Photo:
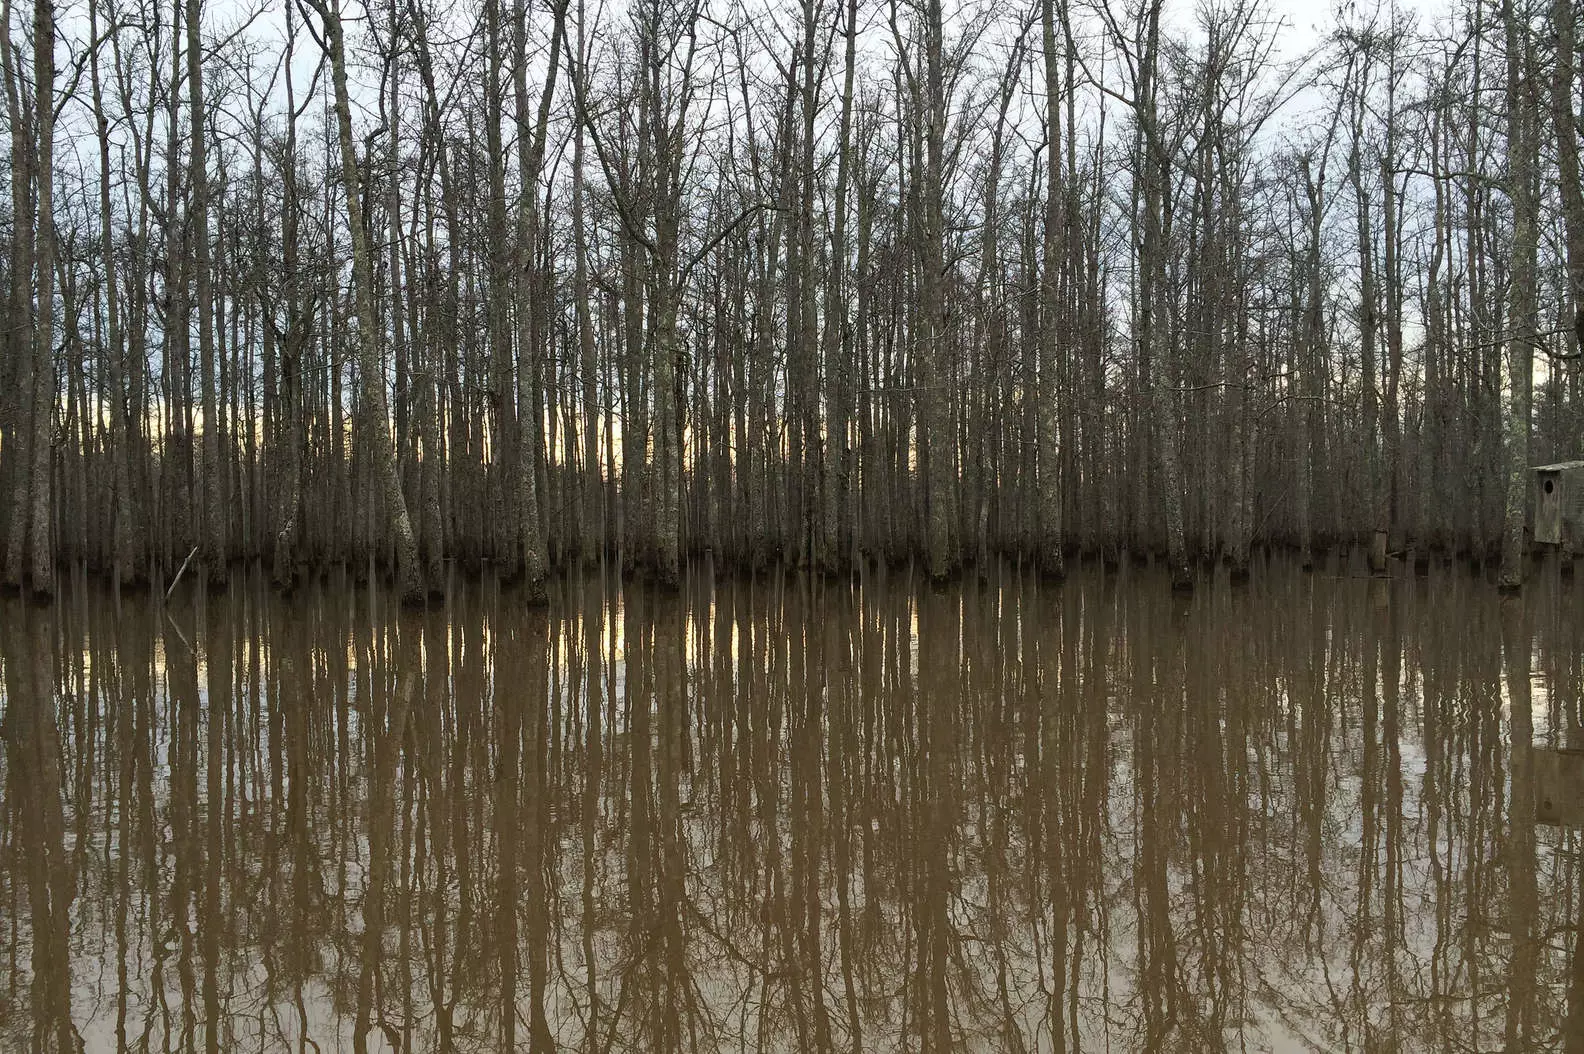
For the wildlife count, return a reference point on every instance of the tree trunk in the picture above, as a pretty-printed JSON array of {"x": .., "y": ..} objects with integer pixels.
[
  {"x": 41, "y": 552},
  {"x": 198, "y": 230},
  {"x": 938, "y": 437},
  {"x": 1050, "y": 539},
  {"x": 530, "y": 155},
  {"x": 370, "y": 368},
  {"x": 1521, "y": 166}
]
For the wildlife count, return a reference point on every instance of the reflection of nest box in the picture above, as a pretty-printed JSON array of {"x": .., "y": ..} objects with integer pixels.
[
  {"x": 1559, "y": 786},
  {"x": 1559, "y": 504}
]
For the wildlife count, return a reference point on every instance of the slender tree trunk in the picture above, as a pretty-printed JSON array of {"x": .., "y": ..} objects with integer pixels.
[
  {"x": 1564, "y": 126},
  {"x": 213, "y": 528},
  {"x": 838, "y": 336},
  {"x": 380, "y": 452},
  {"x": 530, "y": 155},
  {"x": 938, "y": 437},
  {"x": 126, "y": 544},
  {"x": 1521, "y": 166},
  {"x": 594, "y": 538},
  {"x": 41, "y": 552},
  {"x": 1051, "y": 540},
  {"x": 17, "y": 394},
  {"x": 1153, "y": 310},
  {"x": 288, "y": 533}
]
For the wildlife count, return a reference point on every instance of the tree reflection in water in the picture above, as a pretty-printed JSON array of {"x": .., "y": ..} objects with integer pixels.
[{"x": 790, "y": 815}]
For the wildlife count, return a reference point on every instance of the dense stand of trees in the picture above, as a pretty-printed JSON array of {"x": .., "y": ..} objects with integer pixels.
[{"x": 394, "y": 283}]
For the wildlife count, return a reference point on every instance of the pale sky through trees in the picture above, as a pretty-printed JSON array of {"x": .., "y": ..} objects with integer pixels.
[{"x": 1181, "y": 278}]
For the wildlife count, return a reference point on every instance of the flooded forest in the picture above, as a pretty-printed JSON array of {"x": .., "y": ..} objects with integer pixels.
[{"x": 790, "y": 525}]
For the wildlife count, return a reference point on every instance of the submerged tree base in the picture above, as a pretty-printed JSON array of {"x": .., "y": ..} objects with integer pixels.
[
  {"x": 27, "y": 593},
  {"x": 1344, "y": 557}
]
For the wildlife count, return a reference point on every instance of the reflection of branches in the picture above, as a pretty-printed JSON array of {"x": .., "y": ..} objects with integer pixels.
[
  {"x": 732, "y": 949},
  {"x": 1248, "y": 730}
]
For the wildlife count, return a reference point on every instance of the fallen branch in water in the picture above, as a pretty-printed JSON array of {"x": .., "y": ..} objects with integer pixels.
[{"x": 180, "y": 571}]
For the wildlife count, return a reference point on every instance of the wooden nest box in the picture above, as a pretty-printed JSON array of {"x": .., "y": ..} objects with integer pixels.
[{"x": 1559, "y": 504}]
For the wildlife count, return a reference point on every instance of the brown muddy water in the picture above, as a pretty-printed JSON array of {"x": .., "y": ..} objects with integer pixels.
[{"x": 777, "y": 815}]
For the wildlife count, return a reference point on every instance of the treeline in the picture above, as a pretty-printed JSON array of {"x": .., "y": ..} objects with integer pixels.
[{"x": 396, "y": 283}]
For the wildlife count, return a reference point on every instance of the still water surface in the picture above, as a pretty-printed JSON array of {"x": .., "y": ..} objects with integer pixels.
[{"x": 777, "y": 815}]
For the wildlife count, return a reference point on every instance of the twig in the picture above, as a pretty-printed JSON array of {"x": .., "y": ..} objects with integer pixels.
[{"x": 179, "y": 572}]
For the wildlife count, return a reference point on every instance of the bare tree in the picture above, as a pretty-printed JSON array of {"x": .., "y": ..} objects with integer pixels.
[{"x": 370, "y": 362}]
